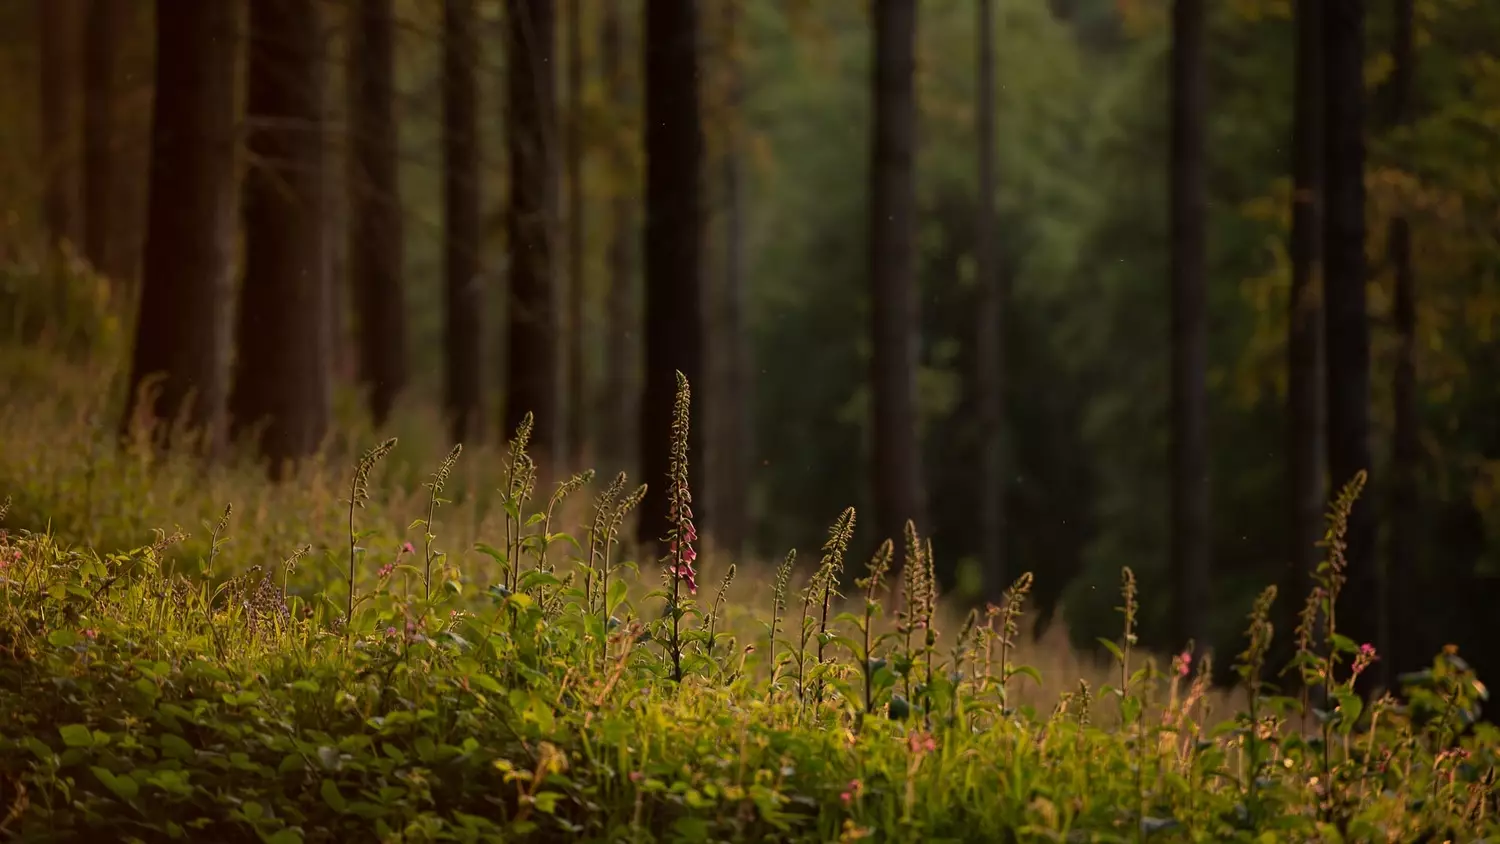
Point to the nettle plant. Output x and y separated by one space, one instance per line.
401 703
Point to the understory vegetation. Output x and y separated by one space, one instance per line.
561 692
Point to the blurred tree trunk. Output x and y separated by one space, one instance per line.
728 477
1306 493
101 26
990 329
464 304
281 387
531 132
674 249
1190 487
1346 325
376 249
59 22
622 338
577 432
181 343
899 489
1406 438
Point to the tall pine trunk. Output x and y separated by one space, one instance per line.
674 248
101 36
281 386
1190 456
181 348
577 431
990 328
731 390
58 21
620 411
464 300
532 224
1307 495
376 249
899 490
1346 323
1406 455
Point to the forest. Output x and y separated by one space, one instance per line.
1046 306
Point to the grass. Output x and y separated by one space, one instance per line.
314 665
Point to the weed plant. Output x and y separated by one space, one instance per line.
397 697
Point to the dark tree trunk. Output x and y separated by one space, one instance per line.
1306 493
674 248
464 304
181 344
1190 487
58 90
990 329
375 234
1346 326
1406 456
577 386
622 359
729 477
532 135
899 489
99 47
281 386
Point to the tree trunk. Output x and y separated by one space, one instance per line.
1306 494
464 304
375 235
1346 325
729 477
577 386
100 43
674 248
532 225
1190 487
990 330
58 21
181 345
1406 438
281 388
899 489
622 359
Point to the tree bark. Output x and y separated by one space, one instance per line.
1306 493
729 476
990 329
674 249
1346 322
1406 438
1190 455
58 21
100 45
376 249
532 225
181 348
899 489
577 384
281 387
464 302
620 411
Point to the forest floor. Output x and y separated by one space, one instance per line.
507 676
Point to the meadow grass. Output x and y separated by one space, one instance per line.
350 655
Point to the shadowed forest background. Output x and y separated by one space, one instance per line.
1221 256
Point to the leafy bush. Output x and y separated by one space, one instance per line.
397 701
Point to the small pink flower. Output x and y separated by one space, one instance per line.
407 549
90 633
636 776
1184 663
385 570
390 631
1367 649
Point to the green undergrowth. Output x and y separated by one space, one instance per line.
579 696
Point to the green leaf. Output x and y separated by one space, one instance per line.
617 590
332 796
62 638
1113 648
124 787
1027 671
492 552
76 735
546 802
176 746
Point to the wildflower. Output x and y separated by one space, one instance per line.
853 791
636 776
90 633
385 570
408 549
920 742
1184 663
390 631
1367 649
